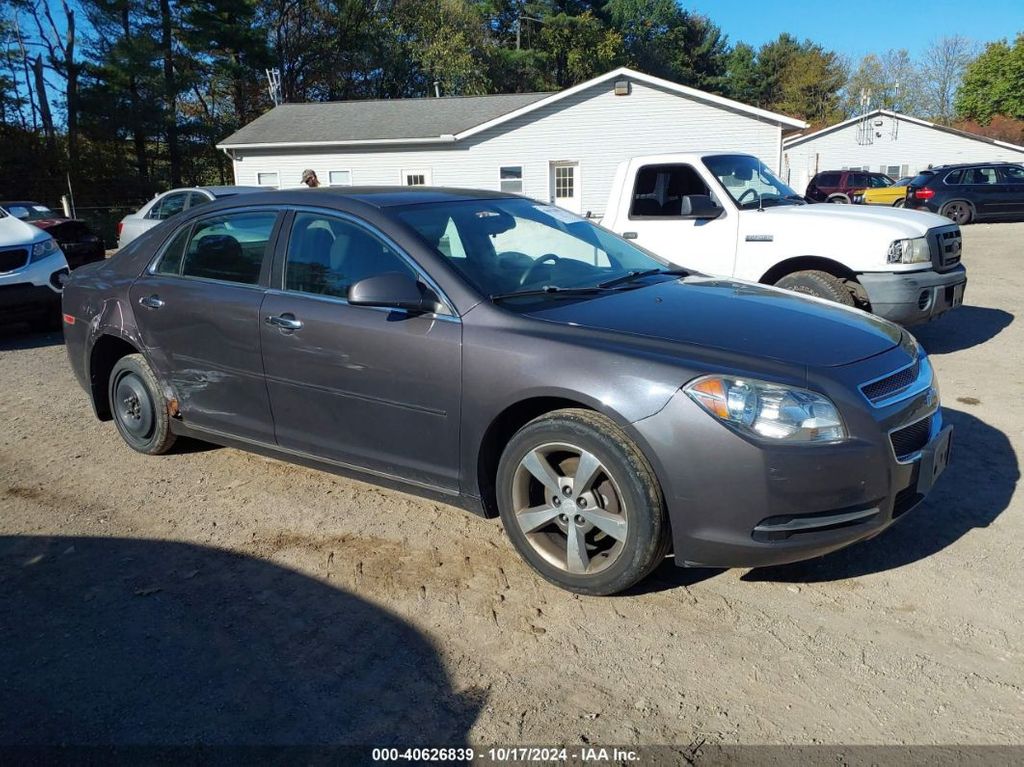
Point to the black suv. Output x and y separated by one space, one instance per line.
964 193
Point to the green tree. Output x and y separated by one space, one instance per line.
577 48
891 80
993 84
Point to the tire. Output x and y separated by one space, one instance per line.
560 540
899 203
958 211
138 406
820 284
839 199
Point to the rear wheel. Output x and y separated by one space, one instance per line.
839 199
139 408
958 212
899 203
816 283
581 504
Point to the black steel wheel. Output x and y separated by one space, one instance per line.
138 407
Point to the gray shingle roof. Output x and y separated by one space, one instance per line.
391 119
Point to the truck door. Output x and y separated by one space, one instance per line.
654 220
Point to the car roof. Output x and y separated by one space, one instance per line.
5 203
950 166
376 196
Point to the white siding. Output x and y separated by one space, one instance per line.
594 127
901 143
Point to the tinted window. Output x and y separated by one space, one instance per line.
326 255
660 189
229 248
857 180
1014 174
923 179
197 198
170 261
168 206
827 179
980 176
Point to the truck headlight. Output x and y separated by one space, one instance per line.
768 410
43 249
913 251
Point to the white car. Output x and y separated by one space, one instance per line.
32 272
165 205
726 214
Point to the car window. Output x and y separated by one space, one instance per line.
326 255
170 259
857 180
168 206
1013 174
828 179
925 178
659 190
196 199
879 181
229 248
980 176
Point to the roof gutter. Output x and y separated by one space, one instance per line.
445 139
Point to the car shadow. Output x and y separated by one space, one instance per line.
109 641
21 336
974 490
962 328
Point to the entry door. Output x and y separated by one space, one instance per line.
565 186
369 387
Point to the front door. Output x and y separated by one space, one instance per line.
368 387
565 186
198 312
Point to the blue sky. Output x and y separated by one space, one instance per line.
857 27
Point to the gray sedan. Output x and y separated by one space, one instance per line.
510 357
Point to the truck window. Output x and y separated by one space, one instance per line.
659 190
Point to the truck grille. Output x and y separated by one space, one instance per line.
876 391
945 243
911 438
13 259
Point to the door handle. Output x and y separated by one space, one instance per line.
629 235
284 322
151 302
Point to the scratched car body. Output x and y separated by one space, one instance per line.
512 358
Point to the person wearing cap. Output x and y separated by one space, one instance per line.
309 178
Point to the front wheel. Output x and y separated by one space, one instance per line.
581 504
958 212
820 284
138 407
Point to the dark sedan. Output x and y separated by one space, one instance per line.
80 244
516 359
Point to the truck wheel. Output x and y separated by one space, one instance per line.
819 284
140 411
839 199
958 212
581 504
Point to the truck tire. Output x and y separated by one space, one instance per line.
820 284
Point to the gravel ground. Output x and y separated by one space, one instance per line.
216 596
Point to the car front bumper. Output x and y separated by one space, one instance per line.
914 297
34 289
737 502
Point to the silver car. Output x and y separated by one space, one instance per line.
165 205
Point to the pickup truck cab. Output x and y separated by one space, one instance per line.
727 214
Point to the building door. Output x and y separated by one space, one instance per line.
565 186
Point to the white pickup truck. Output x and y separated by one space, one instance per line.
727 214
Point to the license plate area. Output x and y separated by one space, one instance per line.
934 460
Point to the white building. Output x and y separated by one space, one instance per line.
892 143
562 147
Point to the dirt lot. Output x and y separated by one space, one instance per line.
216 596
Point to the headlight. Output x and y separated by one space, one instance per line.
43 249
913 251
768 410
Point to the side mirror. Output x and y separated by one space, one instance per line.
393 290
699 206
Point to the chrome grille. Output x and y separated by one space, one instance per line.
876 391
911 439
13 259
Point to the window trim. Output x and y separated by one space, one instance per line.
277 280
265 268
340 170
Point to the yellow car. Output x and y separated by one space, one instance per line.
884 195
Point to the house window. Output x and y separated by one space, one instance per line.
564 181
340 178
512 179
416 177
267 179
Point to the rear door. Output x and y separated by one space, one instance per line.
198 310
375 388
1012 178
984 190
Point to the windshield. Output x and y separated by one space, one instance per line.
30 211
749 182
511 245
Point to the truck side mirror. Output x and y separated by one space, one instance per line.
699 206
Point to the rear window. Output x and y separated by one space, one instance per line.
923 179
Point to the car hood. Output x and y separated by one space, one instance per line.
838 220
739 317
14 231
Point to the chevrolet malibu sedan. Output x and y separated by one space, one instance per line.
507 356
